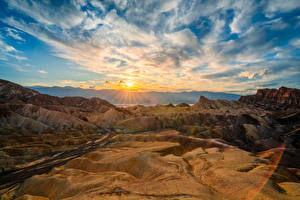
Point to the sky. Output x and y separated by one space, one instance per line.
233 46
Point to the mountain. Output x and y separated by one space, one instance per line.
129 97
28 109
11 91
283 95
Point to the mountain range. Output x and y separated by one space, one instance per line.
123 96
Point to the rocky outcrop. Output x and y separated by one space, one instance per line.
42 116
139 124
205 104
15 93
30 110
283 95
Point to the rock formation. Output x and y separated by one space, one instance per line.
14 93
40 111
283 95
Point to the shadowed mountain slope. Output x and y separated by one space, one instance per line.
44 111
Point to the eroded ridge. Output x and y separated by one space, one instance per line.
158 165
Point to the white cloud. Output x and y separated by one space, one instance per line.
121 4
183 38
8 51
274 6
234 25
216 31
252 74
296 42
7 48
97 4
44 12
14 34
243 12
42 72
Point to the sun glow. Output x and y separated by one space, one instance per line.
129 84
133 84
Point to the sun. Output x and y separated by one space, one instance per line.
129 84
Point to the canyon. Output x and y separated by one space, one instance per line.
87 148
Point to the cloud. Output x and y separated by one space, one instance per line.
183 38
7 52
184 44
14 34
97 4
274 6
215 33
42 72
296 42
252 75
7 48
72 82
46 12
243 13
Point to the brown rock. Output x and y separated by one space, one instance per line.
291 188
13 92
283 95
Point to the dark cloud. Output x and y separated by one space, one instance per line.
221 75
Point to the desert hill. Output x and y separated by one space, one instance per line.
40 111
87 148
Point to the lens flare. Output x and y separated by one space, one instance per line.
276 159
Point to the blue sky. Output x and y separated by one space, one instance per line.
171 45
